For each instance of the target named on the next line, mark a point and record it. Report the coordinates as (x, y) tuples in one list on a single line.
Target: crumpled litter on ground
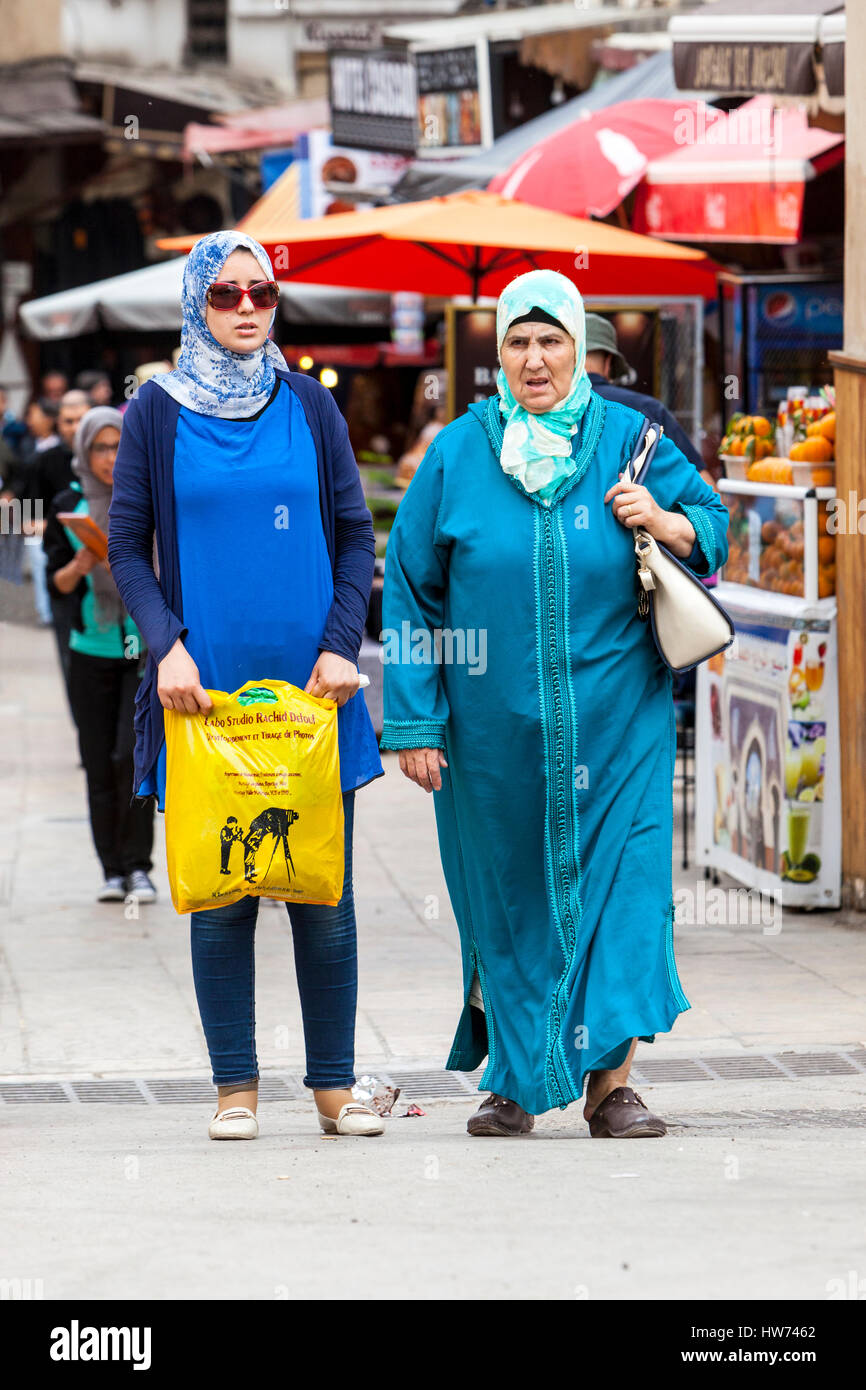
[(378, 1092)]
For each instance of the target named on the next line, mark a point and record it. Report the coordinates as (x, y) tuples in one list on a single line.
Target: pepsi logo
[(779, 305)]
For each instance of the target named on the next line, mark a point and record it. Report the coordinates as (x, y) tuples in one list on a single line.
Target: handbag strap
[(648, 440)]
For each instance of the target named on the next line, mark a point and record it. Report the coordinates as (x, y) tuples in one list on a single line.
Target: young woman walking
[(265, 547), (105, 657)]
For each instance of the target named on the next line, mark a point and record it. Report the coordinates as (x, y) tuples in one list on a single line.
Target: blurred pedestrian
[(54, 384), (97, 386), (604, 361), (52, 470), (40, 441), (12, 429), (40, 422), (11, 514), (51, 473), (12, 469), (106, 660)]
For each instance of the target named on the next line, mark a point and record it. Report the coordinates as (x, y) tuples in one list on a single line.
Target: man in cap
[(604, 360)]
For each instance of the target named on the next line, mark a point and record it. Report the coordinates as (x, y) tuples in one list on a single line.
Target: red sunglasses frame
[(230, 284)]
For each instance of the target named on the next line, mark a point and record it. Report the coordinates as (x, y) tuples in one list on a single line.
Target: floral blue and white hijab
[(536, 448), (210, 378)]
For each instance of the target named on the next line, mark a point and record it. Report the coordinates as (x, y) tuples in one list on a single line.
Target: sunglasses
[(225, 295)]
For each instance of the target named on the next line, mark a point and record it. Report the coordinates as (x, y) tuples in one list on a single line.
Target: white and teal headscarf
[(536, 448), (210, 378)]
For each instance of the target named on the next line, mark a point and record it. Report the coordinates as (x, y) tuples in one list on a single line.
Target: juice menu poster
[(805, 756), (752, 823), (748, 709)]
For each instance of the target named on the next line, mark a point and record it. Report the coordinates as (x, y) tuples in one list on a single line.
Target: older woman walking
[(265, 547), (551, 760)]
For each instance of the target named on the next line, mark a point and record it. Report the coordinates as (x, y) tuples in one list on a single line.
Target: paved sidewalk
[(750, 1195)]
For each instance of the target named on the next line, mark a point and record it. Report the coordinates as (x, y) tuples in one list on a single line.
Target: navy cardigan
[(143, 503)]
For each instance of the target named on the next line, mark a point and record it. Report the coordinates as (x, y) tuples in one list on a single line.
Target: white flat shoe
[(235, 1123), (352, 1119)]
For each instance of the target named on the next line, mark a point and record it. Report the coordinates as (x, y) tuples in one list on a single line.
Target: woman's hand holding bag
[(635, 506), (688, 624), (333, 678), (178, 683)]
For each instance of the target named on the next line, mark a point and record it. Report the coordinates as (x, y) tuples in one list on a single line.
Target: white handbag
[(688, 624)]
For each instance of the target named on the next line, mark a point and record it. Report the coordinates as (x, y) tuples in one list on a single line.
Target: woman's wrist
[(677, 533), (70, 575)]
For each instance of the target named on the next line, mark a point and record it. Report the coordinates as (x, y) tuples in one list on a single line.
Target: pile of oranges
[(818, 447), (749, 437), (814, 445)]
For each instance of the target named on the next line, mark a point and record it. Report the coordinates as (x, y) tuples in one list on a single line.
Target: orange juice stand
[(767, 740)]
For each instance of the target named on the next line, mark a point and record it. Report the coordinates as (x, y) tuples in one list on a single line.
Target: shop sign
[(470, 356), (745, 67), (334, 35), (808, 310), (334, 178), (374, 101), (449, 99)]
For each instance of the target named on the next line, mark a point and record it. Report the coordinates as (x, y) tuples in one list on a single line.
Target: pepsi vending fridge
[(776, 332)]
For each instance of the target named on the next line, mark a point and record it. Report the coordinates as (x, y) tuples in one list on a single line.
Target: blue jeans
[(37, 560), (326, 964)]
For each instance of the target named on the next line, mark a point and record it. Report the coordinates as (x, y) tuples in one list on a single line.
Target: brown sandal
[(623, 1115), (500, 1117)]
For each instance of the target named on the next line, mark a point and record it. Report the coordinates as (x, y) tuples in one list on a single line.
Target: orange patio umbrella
[(467, 243)]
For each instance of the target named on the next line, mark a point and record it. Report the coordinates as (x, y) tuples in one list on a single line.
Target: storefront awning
[(39, 105), (158, 103), (751, 46), (742, 180), (269, 127)]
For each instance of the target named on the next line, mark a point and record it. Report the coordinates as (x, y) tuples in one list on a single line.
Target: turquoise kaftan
[(545, 690)]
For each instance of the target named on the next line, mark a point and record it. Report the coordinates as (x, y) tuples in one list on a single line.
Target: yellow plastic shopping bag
[(253, 803)]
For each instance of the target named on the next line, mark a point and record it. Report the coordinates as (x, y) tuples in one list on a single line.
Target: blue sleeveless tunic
[(255, 574)]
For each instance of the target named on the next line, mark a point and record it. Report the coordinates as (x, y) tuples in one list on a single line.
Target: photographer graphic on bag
[(230, 832)]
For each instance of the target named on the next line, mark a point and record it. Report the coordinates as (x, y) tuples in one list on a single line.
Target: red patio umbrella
[(589, 166)]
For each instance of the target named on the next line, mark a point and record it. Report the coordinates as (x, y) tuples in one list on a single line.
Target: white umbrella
[(148, 300)]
